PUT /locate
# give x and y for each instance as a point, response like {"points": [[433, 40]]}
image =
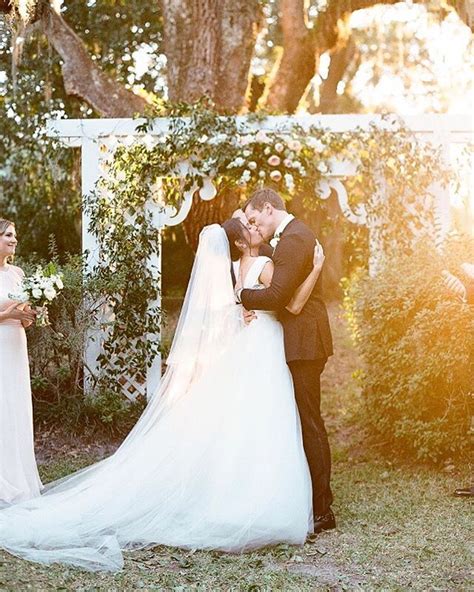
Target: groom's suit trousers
{"points": [[306, 379]]}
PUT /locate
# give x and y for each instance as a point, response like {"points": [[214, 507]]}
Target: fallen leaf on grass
{"points": [[316, 552]]}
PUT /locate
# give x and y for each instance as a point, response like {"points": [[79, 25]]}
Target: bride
{"points": [[215, 462]]}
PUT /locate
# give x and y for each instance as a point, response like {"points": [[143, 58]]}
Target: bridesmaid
{"points": [[19, 479]]}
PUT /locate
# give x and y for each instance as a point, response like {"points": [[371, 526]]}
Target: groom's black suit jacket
{"points": [[307, 335]]}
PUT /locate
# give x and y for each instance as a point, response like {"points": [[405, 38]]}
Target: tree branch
{"points": [[326, 26], [303, 46], [5, 6], [465, 10], [297, 64], [340, 59], [82, 77]]}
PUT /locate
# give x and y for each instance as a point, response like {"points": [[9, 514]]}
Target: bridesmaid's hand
{"points": [[27, 323], [14, 312]]}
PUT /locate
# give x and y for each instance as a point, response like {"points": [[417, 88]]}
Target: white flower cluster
{"points": [[250, 156], [281, 158], [40, 288]]}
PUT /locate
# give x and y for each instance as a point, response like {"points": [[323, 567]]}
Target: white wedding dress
{"points": [[19, 479], [215, 462]]}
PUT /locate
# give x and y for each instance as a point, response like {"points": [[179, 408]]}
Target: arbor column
{"points": [[90, 171]]}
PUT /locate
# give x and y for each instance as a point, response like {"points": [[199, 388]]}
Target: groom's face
{"points": [[262, 220]]}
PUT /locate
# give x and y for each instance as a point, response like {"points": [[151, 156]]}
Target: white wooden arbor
{"points": [[95, 137]]}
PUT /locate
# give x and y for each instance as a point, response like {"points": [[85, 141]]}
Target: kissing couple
{"points": [[231, 452]]}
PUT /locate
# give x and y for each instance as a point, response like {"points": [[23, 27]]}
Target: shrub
{"points": [[417, 345], [56, 366], [56, 357]]}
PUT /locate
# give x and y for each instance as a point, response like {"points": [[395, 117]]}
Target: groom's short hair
{"points": [[262, 196]]}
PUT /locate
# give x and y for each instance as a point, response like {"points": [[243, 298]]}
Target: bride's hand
{"points": [[248, 315], [318, 256]]}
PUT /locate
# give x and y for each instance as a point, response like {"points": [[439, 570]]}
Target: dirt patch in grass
{"points": [[54, 444]]}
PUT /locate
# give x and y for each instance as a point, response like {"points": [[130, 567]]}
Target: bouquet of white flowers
{"points": [[39, 289]]}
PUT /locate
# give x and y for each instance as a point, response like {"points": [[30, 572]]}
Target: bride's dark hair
{"points": [[236, 231]]}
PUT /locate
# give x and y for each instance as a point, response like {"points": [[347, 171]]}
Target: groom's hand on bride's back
{"points": [[248, 315]]}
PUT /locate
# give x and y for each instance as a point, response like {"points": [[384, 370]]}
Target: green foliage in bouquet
{"points": [[416, 341]]}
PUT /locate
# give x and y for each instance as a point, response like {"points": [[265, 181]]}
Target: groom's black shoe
{"points": [[464, 492], [325, 522]]}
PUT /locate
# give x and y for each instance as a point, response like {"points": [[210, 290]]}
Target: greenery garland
{"points": [[293, 160]]}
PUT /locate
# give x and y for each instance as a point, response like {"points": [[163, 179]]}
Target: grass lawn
{"points": [[398, 526]]}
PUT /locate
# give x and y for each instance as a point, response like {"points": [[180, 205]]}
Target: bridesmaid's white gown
{"points": [[215, 462], [19, 479]]}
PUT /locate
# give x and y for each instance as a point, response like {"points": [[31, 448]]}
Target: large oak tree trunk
{"points": [[209, 212], [209, 45]]}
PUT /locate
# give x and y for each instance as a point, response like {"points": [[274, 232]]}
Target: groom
{"points": [[308, 341]]}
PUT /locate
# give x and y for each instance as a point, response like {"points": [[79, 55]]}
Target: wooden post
{"points": [[90, 171]]}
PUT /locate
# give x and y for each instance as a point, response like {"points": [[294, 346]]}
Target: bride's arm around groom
{"points": [[304, 291]]}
